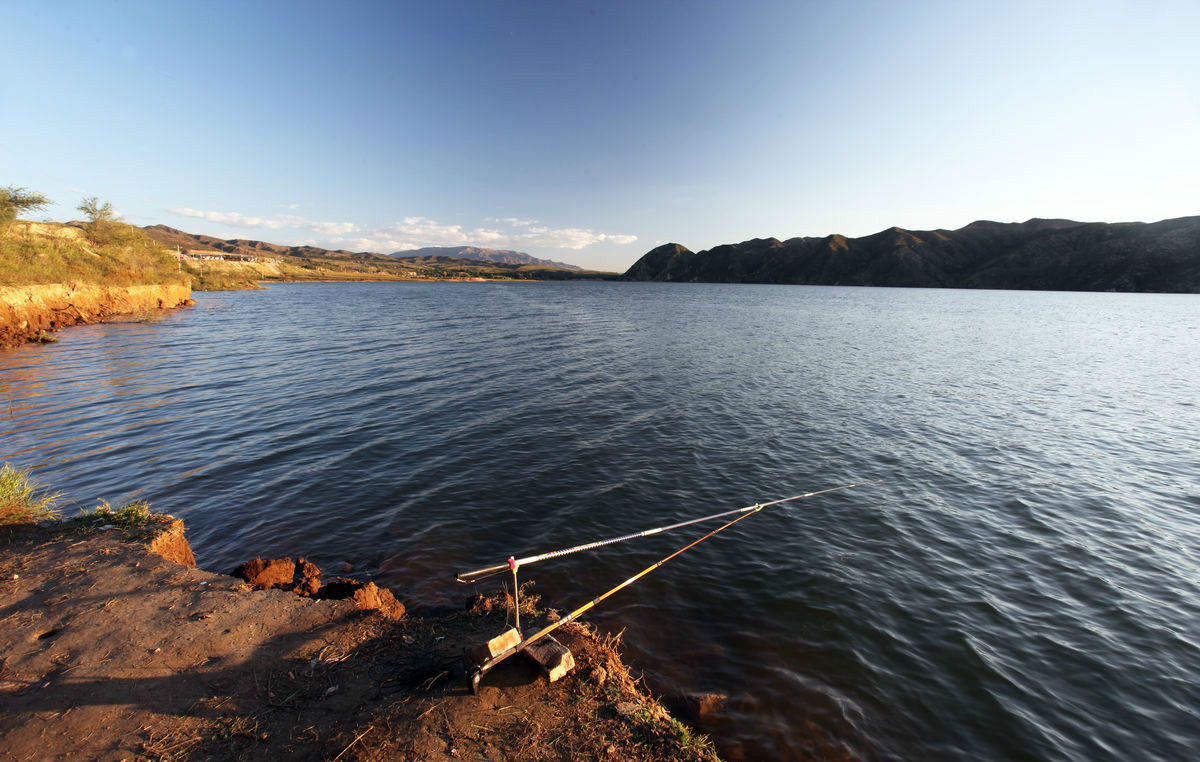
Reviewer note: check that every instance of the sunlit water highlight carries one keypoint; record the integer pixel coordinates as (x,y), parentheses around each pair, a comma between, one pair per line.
(1024,582)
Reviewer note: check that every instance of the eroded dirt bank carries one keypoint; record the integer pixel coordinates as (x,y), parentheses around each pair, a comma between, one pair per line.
(110,651)
(29,312)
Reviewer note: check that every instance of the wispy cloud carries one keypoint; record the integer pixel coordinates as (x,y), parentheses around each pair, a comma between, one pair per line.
(330,228)
(570,238)
(515,222)
(239,220)
(235,219)
(420,231)
(417,232)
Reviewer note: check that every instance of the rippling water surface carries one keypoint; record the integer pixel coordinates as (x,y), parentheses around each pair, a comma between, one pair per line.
(1022,584)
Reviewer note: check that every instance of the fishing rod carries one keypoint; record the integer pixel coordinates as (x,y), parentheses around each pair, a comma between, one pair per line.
(513,563)
(488,664)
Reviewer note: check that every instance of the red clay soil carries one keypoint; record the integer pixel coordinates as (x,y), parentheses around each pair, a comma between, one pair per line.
(304,578)
(108,651)
(30,313)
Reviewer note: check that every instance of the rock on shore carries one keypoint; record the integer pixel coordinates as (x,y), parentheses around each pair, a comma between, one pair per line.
(304,578)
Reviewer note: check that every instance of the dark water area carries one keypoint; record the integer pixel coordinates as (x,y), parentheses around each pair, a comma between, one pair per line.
(1023,583)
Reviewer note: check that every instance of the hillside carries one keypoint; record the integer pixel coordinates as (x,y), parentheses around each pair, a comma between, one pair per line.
(291,263)
(498,256)
(112,254)
(171,237)
(476,268)
(1040,254)
(54,275)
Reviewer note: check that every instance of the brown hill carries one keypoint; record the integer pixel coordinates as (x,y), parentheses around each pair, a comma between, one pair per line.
(326,263)
(499,256)
(168,236)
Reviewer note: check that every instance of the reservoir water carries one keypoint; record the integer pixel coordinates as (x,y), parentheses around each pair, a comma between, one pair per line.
(1023,582)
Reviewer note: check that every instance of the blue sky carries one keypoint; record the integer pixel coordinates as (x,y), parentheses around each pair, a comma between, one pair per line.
(591,132)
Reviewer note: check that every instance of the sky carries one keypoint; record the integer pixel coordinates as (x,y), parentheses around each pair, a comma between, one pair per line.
(591,132)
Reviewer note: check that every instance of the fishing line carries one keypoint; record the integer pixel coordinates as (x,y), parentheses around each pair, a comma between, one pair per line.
(514,563)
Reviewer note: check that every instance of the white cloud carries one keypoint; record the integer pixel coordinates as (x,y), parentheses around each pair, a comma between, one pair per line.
(621,240)
(515,222)
(360,244)
(331,228)
(239,220)
(421,231)
(570,238)
(236,219)
(416,232)
(424,232)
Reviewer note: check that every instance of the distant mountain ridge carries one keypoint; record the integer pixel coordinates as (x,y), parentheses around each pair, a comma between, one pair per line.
(1039,254)
(172,237)
(168,236)
(501,256)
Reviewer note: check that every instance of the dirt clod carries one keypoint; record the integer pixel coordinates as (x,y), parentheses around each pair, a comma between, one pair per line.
(262,574)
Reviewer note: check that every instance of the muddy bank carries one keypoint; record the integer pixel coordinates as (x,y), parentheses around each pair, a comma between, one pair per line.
(108,650)
(28,313)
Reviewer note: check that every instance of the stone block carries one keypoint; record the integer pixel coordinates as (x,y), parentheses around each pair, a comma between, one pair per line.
(494,647)
(552,657)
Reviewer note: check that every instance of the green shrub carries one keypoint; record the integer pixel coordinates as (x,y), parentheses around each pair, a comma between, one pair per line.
(101,217)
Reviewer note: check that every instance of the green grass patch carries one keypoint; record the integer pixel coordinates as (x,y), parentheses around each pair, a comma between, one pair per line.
(132,515)
(694,745)
(22,500)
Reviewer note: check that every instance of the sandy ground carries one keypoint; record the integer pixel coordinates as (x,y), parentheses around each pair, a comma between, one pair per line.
(111,652)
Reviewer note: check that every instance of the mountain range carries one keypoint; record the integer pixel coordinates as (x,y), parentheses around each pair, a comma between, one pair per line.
(168,236)
(437,258)
(1039,254)
(499,256)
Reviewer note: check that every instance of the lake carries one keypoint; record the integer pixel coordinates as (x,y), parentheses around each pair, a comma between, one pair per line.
(1021,583)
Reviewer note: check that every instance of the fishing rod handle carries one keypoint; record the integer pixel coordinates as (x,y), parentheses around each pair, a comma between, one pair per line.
(471,576)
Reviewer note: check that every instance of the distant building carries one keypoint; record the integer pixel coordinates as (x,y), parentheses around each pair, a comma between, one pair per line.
(202,255)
